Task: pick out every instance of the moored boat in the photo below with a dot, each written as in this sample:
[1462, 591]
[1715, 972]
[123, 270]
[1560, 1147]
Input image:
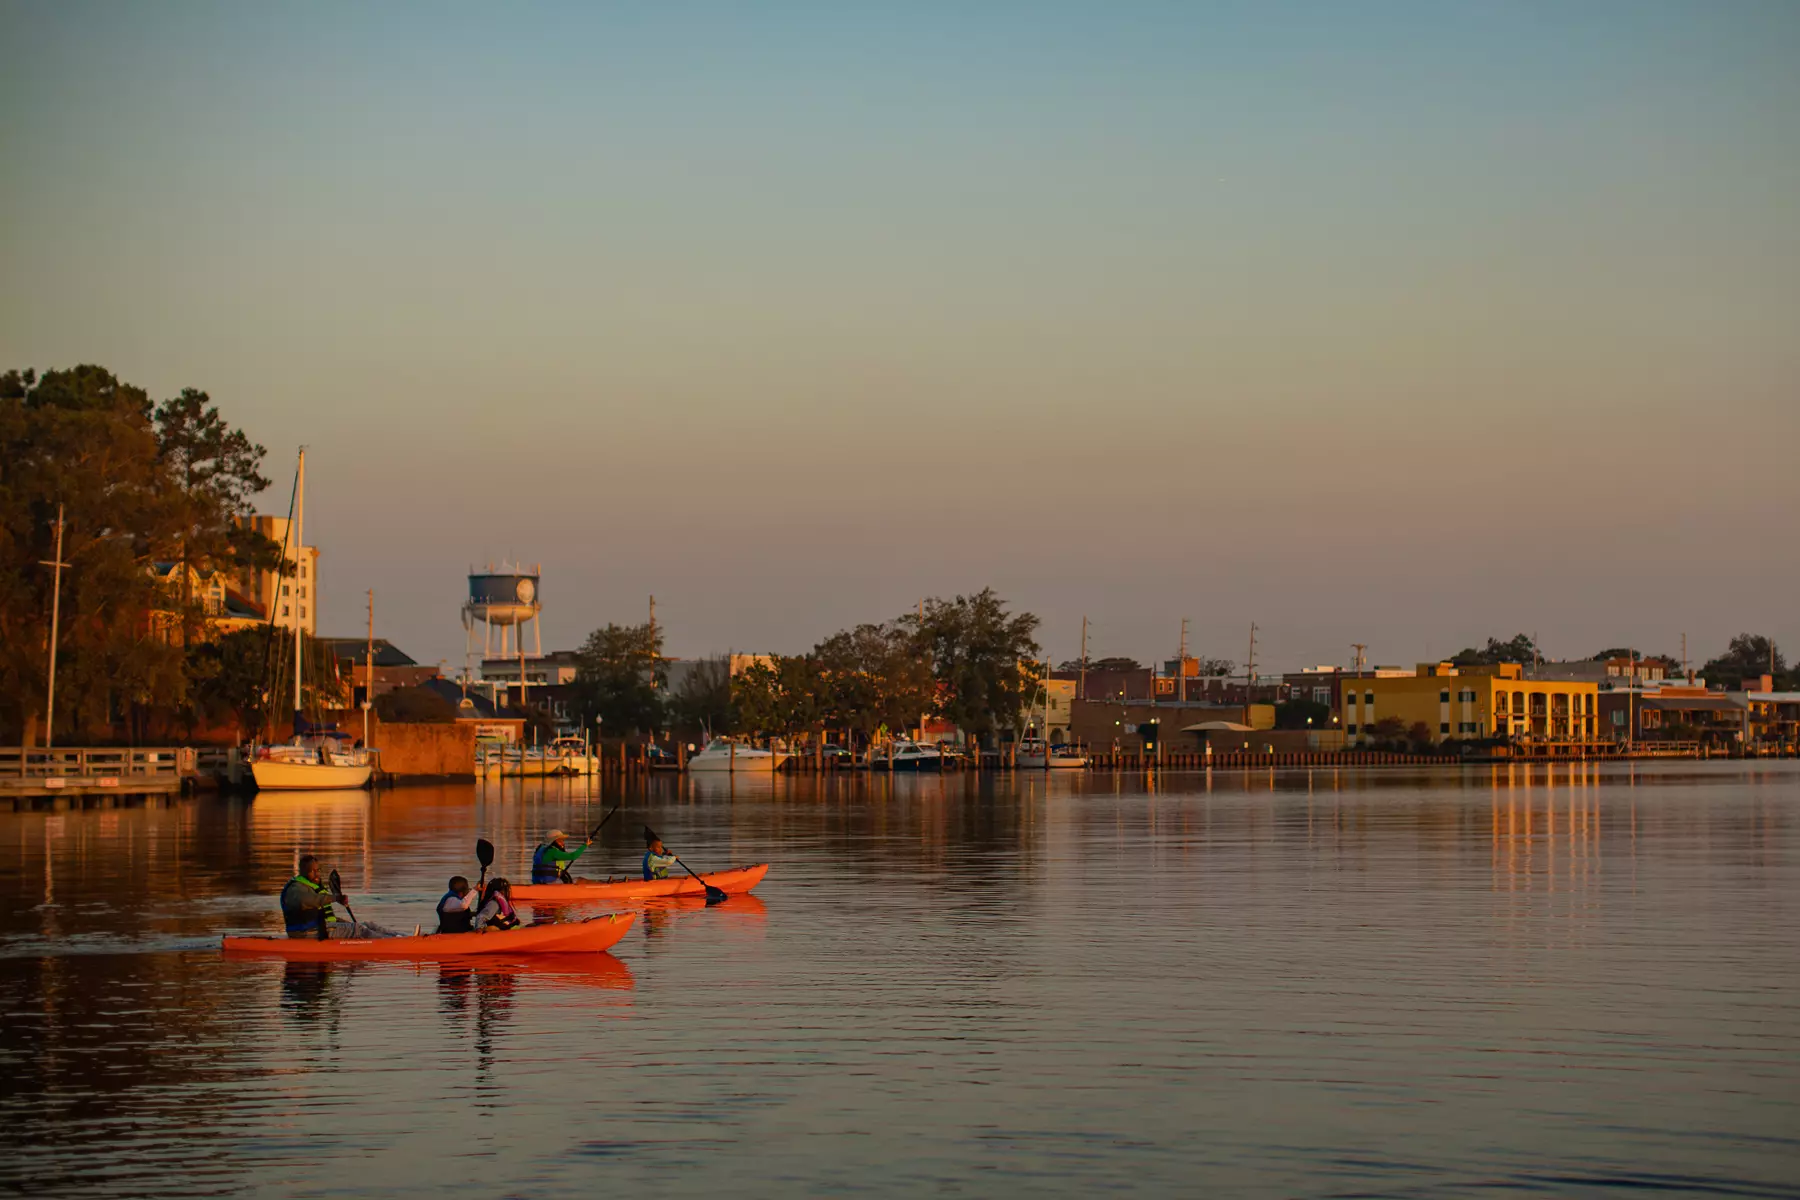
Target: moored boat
[721, 755]
[576, 937]
[737, 879]
[905, 755]
[1034, 755]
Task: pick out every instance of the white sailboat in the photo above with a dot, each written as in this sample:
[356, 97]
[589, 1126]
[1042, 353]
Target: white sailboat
[320, 761]
[722, 755]
[1037, 754]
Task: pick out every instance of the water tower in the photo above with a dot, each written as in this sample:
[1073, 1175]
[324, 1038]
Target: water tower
[501, 602]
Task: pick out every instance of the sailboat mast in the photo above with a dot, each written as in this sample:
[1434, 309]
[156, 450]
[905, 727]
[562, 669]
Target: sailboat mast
[299, 557]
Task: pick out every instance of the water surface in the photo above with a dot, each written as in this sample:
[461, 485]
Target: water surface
[1325, 982]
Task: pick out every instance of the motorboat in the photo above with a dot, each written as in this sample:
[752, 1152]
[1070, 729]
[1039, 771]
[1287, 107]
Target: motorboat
[574, 757]
[1034, 755]
[723, 755]
[903, 754]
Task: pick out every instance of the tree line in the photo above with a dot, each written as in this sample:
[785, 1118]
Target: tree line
[137, 483]
[968, 659]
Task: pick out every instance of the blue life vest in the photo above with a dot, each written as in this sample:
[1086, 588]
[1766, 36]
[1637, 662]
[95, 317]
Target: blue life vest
[542, 869]
[660, 871]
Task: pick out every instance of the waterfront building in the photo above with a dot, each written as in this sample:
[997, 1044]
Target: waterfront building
[394, 668]
[1107, 725]
[1472, 702]
[222, 610]
[1060, 694]
[1607, 672]
[1771, 718]
[1660, 714]
[286, 599]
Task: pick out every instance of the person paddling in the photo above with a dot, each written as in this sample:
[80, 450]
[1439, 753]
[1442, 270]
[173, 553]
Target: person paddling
[497, 913]
[456, 911]
[551, 861]
[657, 859]
[306, 908]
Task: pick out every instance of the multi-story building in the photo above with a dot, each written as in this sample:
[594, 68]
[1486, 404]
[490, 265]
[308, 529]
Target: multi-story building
[288, 598]
[1472, 702]
[1607, 672]
[221, 610]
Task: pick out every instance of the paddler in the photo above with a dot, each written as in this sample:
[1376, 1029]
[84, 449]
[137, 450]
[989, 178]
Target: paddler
[657, 859]
[456, 911]
[497, 913]
[551, 861]
[306, 908]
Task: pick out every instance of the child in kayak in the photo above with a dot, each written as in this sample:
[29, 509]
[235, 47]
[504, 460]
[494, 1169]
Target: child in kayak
[551, 861]
[657, 859]
[497, 913]
[456, 911]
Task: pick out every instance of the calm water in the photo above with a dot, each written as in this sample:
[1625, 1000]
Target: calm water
[1314, 983]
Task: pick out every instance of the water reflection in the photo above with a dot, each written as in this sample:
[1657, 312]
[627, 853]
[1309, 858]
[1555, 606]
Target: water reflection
[1437, 980]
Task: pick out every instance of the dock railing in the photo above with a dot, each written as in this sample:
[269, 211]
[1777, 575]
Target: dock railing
[107, 766]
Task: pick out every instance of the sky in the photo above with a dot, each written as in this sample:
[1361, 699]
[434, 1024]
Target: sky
[1407, 324]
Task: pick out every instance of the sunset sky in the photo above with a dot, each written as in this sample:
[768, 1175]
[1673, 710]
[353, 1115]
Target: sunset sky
[1404, 324]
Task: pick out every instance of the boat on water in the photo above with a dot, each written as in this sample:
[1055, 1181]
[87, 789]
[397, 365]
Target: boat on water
[731, 882]
[591, 936]
[723, 755]
[573, 757]
[1035, 755]
[318, 758]
[905, 755]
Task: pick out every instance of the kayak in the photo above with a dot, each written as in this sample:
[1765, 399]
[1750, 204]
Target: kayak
[574, 937]
[738, 879]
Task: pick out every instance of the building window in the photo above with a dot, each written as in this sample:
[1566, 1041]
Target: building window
[303, 593]
[1350, 729]
[284, 610]
[1368, 697]
[1444, 696]
[1443, 727]
[303, 612]
[284, 590]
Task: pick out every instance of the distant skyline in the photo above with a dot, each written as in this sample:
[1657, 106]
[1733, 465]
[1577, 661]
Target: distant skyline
[1400, 323]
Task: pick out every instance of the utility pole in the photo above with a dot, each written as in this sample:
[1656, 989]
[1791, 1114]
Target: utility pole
[1181, 661]
[1689, 675]
[369, 671]
[58, 565]
[1081, 687]
[1359, 647]
[1250, 674]
[653, 655]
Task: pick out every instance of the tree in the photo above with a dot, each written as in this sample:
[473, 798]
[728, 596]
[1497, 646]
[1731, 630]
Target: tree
[873, 676]
[620, 678]
[982, 659]
[1749, 656]
[1521, 649]
[228, 679]
[1388, 732]
[781, 696]
[703, 698]
[1668, 662]
[1420, 737]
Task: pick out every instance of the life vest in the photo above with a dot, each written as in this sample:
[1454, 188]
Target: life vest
[658, 870]
[303, 921]
[545, 871]
[506, 918]
[456, 919]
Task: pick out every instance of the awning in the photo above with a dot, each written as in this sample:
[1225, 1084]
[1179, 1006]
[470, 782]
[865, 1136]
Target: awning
[1217, 727]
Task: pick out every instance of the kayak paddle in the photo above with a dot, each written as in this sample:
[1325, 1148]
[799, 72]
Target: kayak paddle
[713, 895]
[603, 820]
[337, 893]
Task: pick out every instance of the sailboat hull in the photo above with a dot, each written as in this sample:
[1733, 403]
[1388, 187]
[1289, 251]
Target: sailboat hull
[274, 775]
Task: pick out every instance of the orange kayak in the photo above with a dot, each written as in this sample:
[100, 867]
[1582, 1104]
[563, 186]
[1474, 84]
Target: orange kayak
[575, 937]
[738, 879]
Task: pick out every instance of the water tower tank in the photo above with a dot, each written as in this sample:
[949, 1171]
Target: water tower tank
[503, 598]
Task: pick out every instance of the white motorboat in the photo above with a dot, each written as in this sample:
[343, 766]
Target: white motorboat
[315, 759]
[723, 755]
[902, 754]
[1034, 755]
[573, 757]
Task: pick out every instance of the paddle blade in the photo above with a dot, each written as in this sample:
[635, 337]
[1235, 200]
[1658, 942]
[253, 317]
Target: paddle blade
[650, 835]
[484, 853]
[337, 885]
[715, 895]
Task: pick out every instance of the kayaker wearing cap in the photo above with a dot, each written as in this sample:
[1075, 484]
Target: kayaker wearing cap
[551, 861]
[498, 912]
[306, 908]
[456, 910]
[657, 860]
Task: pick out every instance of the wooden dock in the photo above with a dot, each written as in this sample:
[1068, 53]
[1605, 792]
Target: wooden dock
[33, 778]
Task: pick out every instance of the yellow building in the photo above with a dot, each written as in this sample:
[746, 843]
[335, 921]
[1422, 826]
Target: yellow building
[1473, 702]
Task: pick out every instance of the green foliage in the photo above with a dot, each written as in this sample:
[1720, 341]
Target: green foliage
[1521, 649]
[703, 699]
[1112, 663]
[1389, 733]
[414, 706]
[982, 659]
[1420, 737]
[1295, 714]
[229, 679]
[1748, 656]
[873, 676]
[781, 696]
[619, 678]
